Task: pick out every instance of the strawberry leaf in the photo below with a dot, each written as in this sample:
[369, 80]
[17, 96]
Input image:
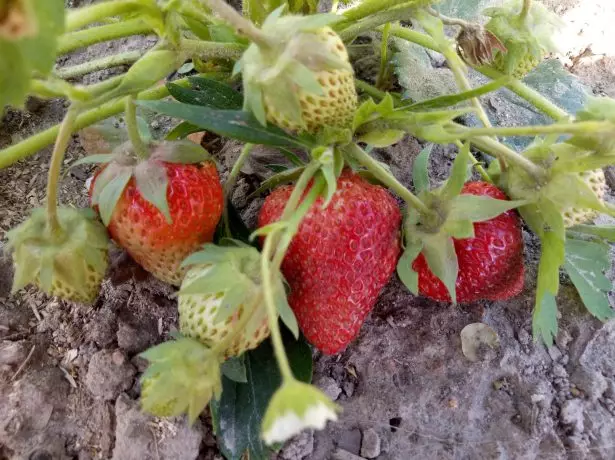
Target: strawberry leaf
[111, 193]
[240, 125]
[237, 415]
[545, 311]
[152, 183]
[208, 93]
[369, 111]
[586, 263]
[235, 369]
[406, 274]
[459, 172]
[480, 208]
[606, 232]
[439, 251]
[286, 313]
[420, 170]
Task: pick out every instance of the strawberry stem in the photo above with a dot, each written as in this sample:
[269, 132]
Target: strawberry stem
[525, 11]
[242, 25]
[55, 167]
[133, 129]
[386, 177]
[384, 56]
[81, 17]
[231, 181]
[581, 128]
[82, 38]
[99, 64]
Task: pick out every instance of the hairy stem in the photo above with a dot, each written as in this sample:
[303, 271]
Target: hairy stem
[95, 65]
[132, 127]
[368, 8]
[41, 140]
[241, 24]
[386, 177]
[349, 31]
[268, 270]
[384, 56]
[55, 168]
[232, 180]
[81, 17]
[203, 49]
[500, 151]
[581, 127]
[446, 20]
[525, 11]
[82, 38]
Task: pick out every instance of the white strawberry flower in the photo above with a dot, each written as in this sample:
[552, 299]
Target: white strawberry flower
[295, 407]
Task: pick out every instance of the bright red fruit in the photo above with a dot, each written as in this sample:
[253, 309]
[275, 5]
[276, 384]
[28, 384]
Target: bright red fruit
[340, 259]
[195, 199]
[490, 264]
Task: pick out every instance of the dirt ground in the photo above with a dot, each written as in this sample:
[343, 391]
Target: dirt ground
[69, 373]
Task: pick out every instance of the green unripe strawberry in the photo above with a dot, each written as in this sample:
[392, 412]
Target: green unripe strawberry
[597, 182]
[298, 75]
[69, 263]
[527, 40]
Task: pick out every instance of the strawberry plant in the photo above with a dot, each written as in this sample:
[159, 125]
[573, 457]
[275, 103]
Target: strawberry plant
[331, 233]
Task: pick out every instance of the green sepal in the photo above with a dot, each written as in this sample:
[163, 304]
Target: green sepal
[406, 274]
[439, 252]
[152, 183]
[286, 313]
[326, 157]
[267, 229]
[459, 229]
[480, 208]
[93, 159]
[235, 369]
[180, 152]
[383, 138]
[370, 111]
[544, 323]
[458, 176]
[253, 102]
[284, 177]
[420, 170]
[305, 79]
[111, 192]
[183, 375]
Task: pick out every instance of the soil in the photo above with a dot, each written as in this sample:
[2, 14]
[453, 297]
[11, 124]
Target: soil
[69, 373]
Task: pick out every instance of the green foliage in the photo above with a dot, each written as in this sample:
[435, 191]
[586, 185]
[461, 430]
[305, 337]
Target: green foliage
[238, 414]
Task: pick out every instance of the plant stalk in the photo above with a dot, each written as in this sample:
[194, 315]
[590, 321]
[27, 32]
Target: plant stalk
[132, 126]
[81, 17]
[386, 177]
[82, 38]
[236, 20]
[368, 8]
[581, 127]
[384, 56]
[525, 10]
[55, 168]
[106, 62]
[349, 31]
[499, 150]
[203, 49]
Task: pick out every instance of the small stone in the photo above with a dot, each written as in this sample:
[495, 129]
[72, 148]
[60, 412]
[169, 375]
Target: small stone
[299, 447]
[370, 445]
[341, 454]
[135, 339]
[109, 374]
[572, 414]
[591, 382]
[559, 371]
[524, 337]
[329, 387]
[350, 441]
[348, 388]
[555, 353]
[563, 338]
[101, 329]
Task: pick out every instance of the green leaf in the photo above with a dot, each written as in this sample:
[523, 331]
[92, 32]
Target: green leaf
[235, 369]
[144, 131]
[286, 314]
[382, 138]
[480, 208]
[14, 75]
[182, 131]
[208, 93]
[406, 274]
[41, 50]
[420, 170]
[278, 179]
[220, 278]
[552, 257]
[586, 264]
[181, 151]
[439, 251]
[238, 414]
[152, 183]
[455, 182]
[606, 232]
[369, 111]
[111, 193]
[234, 124]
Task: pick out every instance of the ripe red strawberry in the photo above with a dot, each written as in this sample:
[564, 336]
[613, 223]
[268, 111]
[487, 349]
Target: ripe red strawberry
[340, 259]
[490, 264]
[195, 200]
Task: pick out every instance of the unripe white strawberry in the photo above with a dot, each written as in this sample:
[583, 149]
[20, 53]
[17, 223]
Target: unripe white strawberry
[576, 216]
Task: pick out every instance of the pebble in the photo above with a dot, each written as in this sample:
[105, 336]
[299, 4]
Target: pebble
[109, 374]
[572, 414]
[350, 441]
[329, 387]
[370, 445]
[341, 454]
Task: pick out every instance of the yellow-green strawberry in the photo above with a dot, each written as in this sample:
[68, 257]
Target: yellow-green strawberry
[68, 262]
[597, 182]
[161, 409]
[198, 312]
[297, 74]
[526, 38]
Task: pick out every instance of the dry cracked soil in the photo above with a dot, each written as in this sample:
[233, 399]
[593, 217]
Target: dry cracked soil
[69, 373]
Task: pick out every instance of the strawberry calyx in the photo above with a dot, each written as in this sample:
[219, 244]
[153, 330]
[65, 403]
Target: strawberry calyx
[451, 216]
[118, 168]
[182, 377]
[526, 37]
[70, 262]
